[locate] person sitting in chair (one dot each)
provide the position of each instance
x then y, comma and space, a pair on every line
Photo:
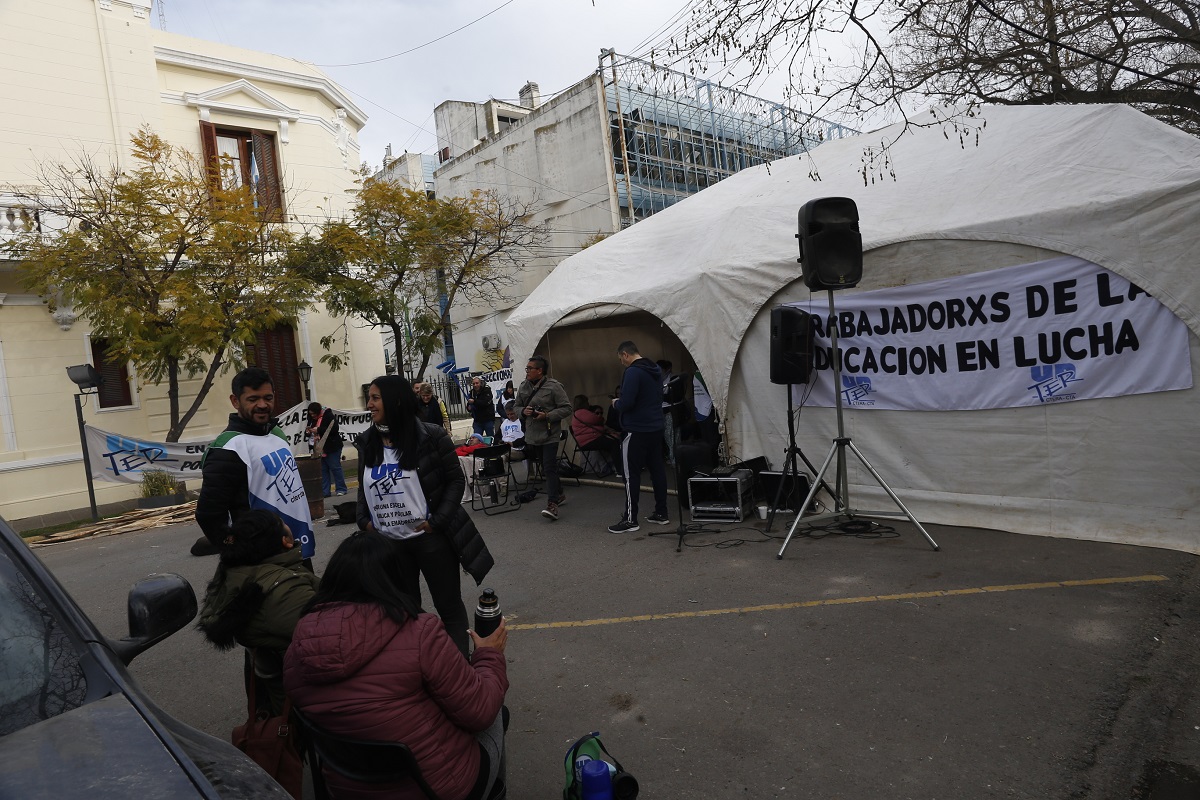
511, 432
590, 432
366, 663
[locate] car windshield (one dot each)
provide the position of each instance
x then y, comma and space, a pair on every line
40, 672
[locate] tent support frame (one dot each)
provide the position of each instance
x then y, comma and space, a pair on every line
841, 444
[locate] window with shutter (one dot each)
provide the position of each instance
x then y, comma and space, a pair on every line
244, 158
114, 389
275, 351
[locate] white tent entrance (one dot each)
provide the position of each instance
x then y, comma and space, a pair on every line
582, 348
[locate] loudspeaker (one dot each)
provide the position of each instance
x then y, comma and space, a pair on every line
791, 345
830, 243
795, 489
690, 458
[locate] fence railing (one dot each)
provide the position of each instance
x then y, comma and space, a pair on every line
451, 393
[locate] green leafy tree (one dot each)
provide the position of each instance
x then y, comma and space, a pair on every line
401, 259
165, 264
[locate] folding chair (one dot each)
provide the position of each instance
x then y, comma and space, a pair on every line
358, 759
561, 455
491, 475
592, 455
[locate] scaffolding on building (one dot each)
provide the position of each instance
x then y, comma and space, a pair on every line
673, 134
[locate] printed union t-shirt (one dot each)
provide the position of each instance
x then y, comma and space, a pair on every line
510, 430
394, 497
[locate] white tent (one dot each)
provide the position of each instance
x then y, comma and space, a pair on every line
1103, 183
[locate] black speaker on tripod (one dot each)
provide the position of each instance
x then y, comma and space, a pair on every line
791, 345
830, 243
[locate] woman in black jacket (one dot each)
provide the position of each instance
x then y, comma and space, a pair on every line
410, 489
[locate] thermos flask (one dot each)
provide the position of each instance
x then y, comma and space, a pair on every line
487, 613
597, 781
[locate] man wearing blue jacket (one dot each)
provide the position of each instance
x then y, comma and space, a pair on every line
640, 405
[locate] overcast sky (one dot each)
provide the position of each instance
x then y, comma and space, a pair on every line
554, 43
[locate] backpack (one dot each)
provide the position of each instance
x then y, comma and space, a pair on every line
588, 748
568, 468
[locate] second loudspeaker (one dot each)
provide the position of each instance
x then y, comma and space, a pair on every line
791, 345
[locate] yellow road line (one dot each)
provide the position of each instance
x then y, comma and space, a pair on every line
836, 601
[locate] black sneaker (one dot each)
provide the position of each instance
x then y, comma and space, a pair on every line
624, 526
658, 519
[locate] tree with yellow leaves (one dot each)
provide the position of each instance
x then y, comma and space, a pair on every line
170, 267
402, 258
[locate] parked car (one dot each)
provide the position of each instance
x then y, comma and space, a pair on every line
74, 723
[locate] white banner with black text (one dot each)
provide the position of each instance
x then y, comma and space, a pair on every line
1049, 332
122, 459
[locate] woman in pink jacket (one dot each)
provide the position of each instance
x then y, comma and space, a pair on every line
367, 663
590, 432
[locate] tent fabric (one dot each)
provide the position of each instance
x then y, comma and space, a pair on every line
1104, 183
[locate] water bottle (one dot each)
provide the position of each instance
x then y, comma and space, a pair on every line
597, 781
494, 491
487, 614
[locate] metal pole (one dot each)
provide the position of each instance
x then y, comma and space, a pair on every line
612, 56
843, 476
87, 461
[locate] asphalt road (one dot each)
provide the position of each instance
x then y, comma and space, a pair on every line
858, 666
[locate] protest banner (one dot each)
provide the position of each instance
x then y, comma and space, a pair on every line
1033, 334
122, 459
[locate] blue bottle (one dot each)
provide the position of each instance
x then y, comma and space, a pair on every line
597, 781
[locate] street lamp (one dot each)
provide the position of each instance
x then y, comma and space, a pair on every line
305, 373
85, 377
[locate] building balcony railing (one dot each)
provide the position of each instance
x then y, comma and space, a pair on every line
17, 217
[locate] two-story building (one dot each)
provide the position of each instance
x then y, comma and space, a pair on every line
80, 77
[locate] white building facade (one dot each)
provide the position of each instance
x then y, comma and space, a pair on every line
627, 141
82, 76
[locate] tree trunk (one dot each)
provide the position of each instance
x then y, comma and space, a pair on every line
398, 342
173, 397
424, 364
178, 425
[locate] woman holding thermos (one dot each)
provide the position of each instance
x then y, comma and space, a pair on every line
366, 663
410, 490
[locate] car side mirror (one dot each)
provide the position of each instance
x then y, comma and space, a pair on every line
159, 605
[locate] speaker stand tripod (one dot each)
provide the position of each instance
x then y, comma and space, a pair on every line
791, 470
841, 445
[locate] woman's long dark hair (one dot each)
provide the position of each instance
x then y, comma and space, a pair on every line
400, 416
363, 570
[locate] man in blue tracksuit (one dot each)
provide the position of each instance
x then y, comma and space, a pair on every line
640, 405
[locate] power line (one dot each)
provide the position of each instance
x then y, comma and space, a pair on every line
420, 46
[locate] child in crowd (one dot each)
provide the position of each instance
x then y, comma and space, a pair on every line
255, 597
511, 432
